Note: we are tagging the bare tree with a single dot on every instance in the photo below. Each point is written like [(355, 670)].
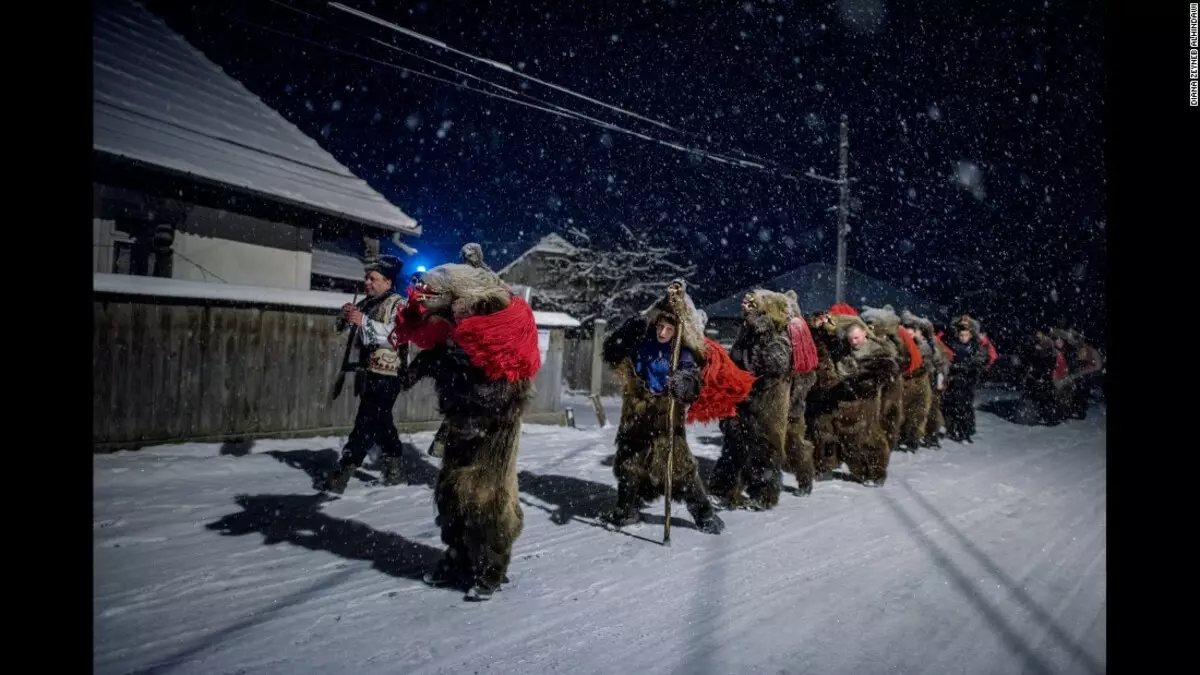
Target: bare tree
[(614, 284)]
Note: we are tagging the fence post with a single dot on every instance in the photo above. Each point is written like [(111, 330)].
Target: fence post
[(597, 385)]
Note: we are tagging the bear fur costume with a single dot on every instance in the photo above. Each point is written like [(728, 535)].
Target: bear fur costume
[(470, 254), (482, 356), (885, 323), (844, 405), (642, 435), (753, 443), (919, 384), (798, 449), (1045, 388)]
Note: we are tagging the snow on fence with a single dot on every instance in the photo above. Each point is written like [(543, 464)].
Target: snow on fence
[(177, 360)]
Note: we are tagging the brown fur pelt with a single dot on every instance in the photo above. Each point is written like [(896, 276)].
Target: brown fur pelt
[(918, 385), (459, 290), (644, 433), (476, 490), (798, 449), (844, 405), (688, 319), (885, 324), (935, 365), (642, 446), (754, 441)]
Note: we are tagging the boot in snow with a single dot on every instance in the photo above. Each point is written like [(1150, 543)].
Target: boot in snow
[(338, 478), (622, 516), (480, 593), (704, 516), (393, 471), (447, 572)]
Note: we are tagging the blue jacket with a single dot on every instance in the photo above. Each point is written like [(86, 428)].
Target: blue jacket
[(652, 363)]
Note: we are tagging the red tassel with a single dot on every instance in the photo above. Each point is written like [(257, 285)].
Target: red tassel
[(1060, 366), (504, 344), (992, 355), (945, 350), (914, 353), (843, 309), (413, 325), (725, 385), (804, 351)]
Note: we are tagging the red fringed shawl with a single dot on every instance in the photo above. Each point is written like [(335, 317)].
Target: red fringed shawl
[(843, 309), (725, 385), (503, 344), (914, 353), (413, 326), (991, 349), (804, 351), (942, 345), (1060, 366)]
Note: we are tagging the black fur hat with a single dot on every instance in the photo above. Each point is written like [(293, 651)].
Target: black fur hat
[(388, 265)]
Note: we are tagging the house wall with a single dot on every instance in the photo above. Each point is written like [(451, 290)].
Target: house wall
[(200, 258), (211, 244), (168, 370)]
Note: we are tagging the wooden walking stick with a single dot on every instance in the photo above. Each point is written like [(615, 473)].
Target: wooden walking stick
[(671, 433)]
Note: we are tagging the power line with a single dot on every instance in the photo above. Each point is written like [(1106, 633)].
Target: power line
[(495, 64), (763, 164), (505, 67), (498, 86)]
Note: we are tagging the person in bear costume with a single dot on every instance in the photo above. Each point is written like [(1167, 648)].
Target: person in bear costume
[(845, 423), (479, 345), (885, 323), (705, 386), (920, 382), (753, 444), (798, 449)]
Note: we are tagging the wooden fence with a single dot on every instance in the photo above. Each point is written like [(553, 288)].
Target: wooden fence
[(577, 368), (170, 369)]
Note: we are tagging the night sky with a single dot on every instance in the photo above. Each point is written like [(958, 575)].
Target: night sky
[(976, 132)]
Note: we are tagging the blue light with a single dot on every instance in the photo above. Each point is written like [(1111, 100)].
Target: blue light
[(420, 268)]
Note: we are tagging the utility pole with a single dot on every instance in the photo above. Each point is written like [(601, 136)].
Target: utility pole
[(843, 208)]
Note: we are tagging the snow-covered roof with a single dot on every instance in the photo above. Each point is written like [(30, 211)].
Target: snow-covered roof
[(553, 243), (126, 284), (815, 286), (330, 262), (550, 244), (158, 100)]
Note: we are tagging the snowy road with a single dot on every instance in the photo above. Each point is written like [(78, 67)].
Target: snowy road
[(988, 558)]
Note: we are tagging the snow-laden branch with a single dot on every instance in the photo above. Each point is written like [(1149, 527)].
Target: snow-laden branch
[(611, 284)]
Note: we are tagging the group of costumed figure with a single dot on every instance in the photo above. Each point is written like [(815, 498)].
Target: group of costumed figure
[(796, 393)]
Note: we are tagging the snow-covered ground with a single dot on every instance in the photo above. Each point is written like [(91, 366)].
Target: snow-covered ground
[(987, 558)]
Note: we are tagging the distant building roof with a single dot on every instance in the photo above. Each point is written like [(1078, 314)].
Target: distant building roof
[(160, 101), (815, 287), (550, 244)]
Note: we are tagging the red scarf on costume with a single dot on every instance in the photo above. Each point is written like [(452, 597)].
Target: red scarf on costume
[(1060, 366), (503, 344), (724, 386), (804, 351), (412, 326), (914, 352), (942, 345)]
